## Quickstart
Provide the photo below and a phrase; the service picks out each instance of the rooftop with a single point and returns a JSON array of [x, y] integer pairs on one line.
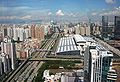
[[67, 44], [79, 38], [89, 39]]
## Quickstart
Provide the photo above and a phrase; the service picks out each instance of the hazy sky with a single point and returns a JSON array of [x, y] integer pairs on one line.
[[24, 10]]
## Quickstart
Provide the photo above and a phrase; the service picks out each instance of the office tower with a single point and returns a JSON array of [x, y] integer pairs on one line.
[[105, 27], [92, 25], [1, 36], [97, 62], [4, 31], [117, 27]]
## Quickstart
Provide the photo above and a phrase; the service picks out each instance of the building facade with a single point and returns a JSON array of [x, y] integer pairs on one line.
[[97, 62], [117, 27]]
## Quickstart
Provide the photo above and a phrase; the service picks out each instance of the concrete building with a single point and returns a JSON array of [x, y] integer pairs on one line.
[[23, 54], [67, 46], [4, 63], [82, 30], [8, 47], [15, 34], [111, 76], [37, 32], [4, 31], [1, 67], [32, 31], [87, 33], [73, 45], [105, 27], [117, 26], [62, 77], [27, 33], [10, 32], [97, 62], [77, 29]]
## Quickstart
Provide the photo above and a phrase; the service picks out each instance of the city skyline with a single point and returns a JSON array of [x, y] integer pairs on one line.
[[29, 10]]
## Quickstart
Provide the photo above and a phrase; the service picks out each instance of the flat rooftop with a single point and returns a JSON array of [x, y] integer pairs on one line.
[[79, 38], [67, 46]]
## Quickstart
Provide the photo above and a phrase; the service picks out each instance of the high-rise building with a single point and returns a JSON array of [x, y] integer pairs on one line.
[[77, 29], [15, 34], [4, 62], [39, 32], [27, 33], [87, 30], [82, 30], [112, 76], [1, 68], [4, 31], [97, 62], [8, 47], [105, 27], [117, 27], [33, 31], [21, 35], [10, 32], [92, 25]]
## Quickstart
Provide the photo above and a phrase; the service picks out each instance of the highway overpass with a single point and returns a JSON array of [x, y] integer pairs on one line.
[[114, 50], [53, 59]]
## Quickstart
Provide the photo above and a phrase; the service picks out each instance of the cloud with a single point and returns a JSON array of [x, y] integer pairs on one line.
[[110, 1], [8, 17], [15, 17], [72, 14], [22, 7], [115, 11], [94, 13], [59, 13], [26, 17], [49, 13]]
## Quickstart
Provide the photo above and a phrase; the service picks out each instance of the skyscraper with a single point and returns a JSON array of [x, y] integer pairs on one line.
[[117, 27], [97, 62], [104, 27], [8, 48]]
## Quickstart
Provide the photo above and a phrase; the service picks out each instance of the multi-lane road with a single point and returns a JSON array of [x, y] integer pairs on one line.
[[29, 69]]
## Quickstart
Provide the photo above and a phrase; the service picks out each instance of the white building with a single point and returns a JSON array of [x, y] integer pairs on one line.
[[1, 70], [21, 34], [97, 62], [4, 62], [15, 34], [10, 32], [8, 48], [111, 76], [67, 46]]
